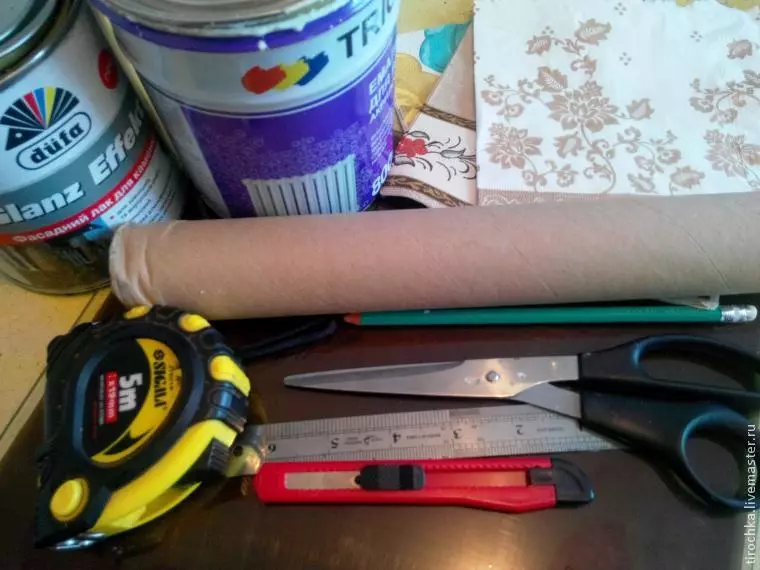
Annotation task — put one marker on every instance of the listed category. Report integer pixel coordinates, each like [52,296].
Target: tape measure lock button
[224,369]
[69,499]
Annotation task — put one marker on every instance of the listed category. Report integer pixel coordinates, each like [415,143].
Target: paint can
[78,153]
[277,107]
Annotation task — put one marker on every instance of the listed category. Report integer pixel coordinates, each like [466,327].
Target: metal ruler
[469,432]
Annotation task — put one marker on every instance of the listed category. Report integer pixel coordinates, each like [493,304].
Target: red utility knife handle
[546,483]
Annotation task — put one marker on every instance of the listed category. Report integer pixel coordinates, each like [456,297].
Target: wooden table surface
[638,520]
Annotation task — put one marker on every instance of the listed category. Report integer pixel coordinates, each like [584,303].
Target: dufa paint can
[276,107]
[78,153]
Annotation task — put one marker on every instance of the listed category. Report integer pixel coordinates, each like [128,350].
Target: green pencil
[556,316]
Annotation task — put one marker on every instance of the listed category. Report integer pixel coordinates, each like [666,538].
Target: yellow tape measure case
[138,412]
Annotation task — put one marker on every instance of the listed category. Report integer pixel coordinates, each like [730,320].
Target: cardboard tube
[613,249]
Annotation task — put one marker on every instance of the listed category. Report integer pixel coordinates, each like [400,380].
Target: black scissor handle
[619,369]
[661,430]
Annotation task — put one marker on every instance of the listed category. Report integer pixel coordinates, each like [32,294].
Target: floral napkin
[605,97]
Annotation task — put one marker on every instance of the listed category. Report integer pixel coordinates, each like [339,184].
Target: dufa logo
[45,118]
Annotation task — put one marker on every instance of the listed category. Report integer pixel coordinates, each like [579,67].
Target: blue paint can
[276,107]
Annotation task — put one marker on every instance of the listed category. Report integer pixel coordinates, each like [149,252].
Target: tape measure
[139,411]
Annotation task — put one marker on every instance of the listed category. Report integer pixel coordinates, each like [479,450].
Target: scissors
[608,392]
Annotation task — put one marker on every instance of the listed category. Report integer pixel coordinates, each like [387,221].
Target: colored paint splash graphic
[281,77]
[35,113]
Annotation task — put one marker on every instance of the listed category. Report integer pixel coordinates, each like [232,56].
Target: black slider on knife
[391,478]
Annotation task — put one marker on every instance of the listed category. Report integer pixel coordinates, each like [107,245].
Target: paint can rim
[59,17]
[221,18]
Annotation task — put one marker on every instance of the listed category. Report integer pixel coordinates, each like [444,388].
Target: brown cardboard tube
[614,249]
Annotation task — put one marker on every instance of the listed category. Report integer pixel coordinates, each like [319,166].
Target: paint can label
[301,128]
[79,156]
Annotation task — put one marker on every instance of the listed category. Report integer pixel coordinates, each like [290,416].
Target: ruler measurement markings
[493,431]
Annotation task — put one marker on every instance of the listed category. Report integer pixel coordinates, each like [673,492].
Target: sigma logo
[43,118]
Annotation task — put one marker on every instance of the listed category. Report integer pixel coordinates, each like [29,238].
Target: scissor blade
[486,378]
[552,398]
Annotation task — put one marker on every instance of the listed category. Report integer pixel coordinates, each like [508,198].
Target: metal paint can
[78,153]
[277,107]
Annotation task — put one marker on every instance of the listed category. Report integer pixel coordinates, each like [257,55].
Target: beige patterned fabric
[604,97]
